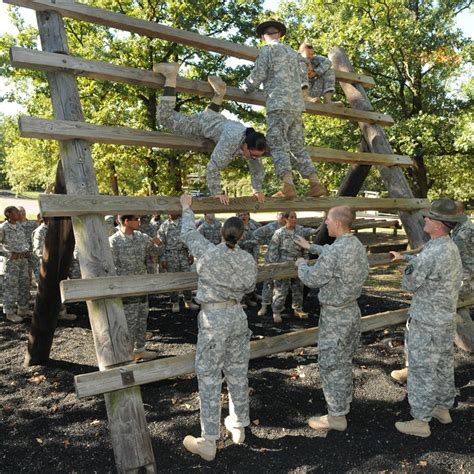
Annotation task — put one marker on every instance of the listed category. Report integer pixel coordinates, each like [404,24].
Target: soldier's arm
[220,158]
[3,251]
[308,232]
[417,271]
[273,253]
[321,272]
[196,243]
[257,174]
[115,254]
[38,244]
[259,72]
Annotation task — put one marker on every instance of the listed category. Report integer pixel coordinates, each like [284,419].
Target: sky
[465,21]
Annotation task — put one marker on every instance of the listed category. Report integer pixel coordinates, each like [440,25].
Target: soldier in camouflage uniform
[463,237]
[30,226]
[263,235]
[283,73]
[322,78]
[130,248]
[210,228]
[231,138]
[16,249]
[434,277]
[175,257]
[339,273]
[151,229]
[283,248]
[225,274]
[111,225]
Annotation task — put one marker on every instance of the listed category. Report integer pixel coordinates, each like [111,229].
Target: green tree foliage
[415,53]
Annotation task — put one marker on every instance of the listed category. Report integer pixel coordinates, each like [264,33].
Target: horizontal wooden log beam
[31,127]
[55,205]
[150,29]
[96,383]
[121,286]
[358,224]
[51,62]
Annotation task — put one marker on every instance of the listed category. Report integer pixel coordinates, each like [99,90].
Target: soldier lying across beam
[231,138]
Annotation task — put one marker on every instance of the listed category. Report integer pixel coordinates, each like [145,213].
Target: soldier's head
[145,220]
[441,217]
[12,214]
[291,219]
[232,231]
[129,222]
[244,216]
[281,219]
[339,220]
[22,211]
[306,50]
[210,217]
[271,30]
[173,217]
[254,145]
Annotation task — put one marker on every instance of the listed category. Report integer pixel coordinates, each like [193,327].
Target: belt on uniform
[219,305]
[342,306]
[20,254]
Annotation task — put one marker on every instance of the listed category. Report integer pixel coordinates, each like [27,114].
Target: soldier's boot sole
[200,446]
[218,86]
[169,71]
[414,427]
[13,318]
[317,190]
[328,422]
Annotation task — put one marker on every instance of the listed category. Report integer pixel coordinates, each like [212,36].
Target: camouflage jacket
[29,227]
[282,246]
[340,271]
[283,72]
[463,237]
[211,231]
[434,277]
[130,251]
[39,235]
[223,274]
[170,236]
[248,241]
[13,239]
[320,64]
[263,235]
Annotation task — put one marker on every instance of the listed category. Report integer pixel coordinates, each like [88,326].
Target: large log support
[57,256]
[393,178]
[129,432]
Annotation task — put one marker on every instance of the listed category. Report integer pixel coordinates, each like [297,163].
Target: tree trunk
[57,256]
[113,180]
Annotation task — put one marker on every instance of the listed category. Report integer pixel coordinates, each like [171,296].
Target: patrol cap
[271,22]
[444,210]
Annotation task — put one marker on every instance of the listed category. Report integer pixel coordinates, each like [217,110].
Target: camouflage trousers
[151,264]
[33,267]
[178,262]
[223,347]
[280,292]
[182,123]
[16,286]
[267,292]
[322,84]
[285,138]
[431,361]
[136,314]
[339,336]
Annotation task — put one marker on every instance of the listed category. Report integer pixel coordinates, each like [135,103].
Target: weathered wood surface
[393,178]
[38,60]
[96,383]
[155,30]
[31,127]
[358,224]
[122,286]
[58,205]
[127,423]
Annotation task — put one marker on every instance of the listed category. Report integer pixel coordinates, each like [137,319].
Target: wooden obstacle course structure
[130,438]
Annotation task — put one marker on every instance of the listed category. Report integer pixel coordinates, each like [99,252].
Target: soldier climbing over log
[231,138]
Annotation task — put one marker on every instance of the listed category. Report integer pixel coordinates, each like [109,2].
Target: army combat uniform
[263,235]
[282,248]
[283,72]
[175,254]
[339,273]
[325,79]
[39,236]
[211,231]
[151,229]
[223,346]
[463,236]
[248,242]
[16,250]
[228,135]
[33,261]
[129,253]
[434,277]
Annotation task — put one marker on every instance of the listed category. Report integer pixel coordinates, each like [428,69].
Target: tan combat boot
[169,70]
[238,434]
[13,317]
[144,355]
[277,318]
[442,415]
[25,312]
[288,189]
[191,305]
[263,310]
[175,307]
[203,447]
[414,427]
[400,375]
[328,422]
[328,100]
[219,87]
[316,189]
[300,314]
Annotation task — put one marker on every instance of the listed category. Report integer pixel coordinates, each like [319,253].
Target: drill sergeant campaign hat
[444,210]
[271,22]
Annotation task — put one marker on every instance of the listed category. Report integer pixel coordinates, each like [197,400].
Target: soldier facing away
[231,138]
[225,274]
[339,273]
[434,277]
[282,71]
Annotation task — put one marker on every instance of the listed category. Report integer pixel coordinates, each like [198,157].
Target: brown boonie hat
[443,209]
[271,22]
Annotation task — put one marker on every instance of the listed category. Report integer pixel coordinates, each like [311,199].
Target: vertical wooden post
[393,177]
[129,432]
